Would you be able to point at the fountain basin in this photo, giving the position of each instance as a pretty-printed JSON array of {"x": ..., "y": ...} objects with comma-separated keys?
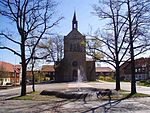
[{"x": 71, "y": 93}]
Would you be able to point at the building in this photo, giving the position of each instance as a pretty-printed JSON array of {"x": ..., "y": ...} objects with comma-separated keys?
[
  {"x": 48, "y": 71},
  {"x": 74, "y": 64},
  {"x": 104, "y": 71},
  {"x": 29, "y": 76},
  {"x": 142, "y": 69},
  {"x": 9, "y": 73}
]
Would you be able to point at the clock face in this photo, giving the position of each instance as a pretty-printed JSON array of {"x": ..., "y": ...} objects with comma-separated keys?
[{"x": 74, "y": 63}]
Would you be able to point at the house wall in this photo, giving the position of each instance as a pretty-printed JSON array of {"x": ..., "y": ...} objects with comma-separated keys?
[
  {"x": 4, "y": 81},
  {"x": 142, "y": 69}
]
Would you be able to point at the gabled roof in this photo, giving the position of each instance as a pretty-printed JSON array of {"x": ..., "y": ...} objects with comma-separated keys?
[
  {"x": 140, "y": 62},
  {"x": 47, "y": 68},
  {"x": 74, "y": 34},
  {"x": 104, "y": 69},
  {"x": 8, "y": 67},
  {"x": 4, "y": 66}
]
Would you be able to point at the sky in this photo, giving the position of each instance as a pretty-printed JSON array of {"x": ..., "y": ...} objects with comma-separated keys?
[{"x": 66, "y": 8}]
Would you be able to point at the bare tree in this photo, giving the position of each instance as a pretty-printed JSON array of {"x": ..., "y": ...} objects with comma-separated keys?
[
  {"x": 138, "y": 23},
  {"x": 114, "y": 34},
  {"x": 125, "y": 24},
  {"x": 52, "y": 49},
  {"x": 32, "y": 20}
]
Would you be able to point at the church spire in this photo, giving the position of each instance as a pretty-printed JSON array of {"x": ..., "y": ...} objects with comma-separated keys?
[{"x": 74, "y": 22}]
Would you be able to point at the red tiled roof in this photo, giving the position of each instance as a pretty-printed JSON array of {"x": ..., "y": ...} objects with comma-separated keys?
[
  {"x": 47, "y": 68},
  {"x": 104, "y": 69},
  {"x": 8, "y": 67},
  {"x": 138, "y": 62}
]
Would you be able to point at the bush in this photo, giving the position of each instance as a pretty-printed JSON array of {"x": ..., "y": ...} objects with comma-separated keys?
[
  {"x": 101, "y": 78},
  {"x": 106, "y": 78}
]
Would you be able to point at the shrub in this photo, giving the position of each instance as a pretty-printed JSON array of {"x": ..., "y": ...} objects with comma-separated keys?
[
  {"x": 101, "y": 78},
  {"x": 108, "y": 78}
]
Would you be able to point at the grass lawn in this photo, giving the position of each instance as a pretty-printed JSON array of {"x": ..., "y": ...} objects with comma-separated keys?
[
  {"x": 143, "y": 83},
  {"x": 35, "y": 96}
]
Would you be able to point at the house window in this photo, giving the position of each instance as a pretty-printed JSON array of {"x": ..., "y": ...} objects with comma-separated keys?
[
  {"x": 136, "y": 70},
  {"x": 127, "y": 77},
  {"x": 139, "y": 70},
  {"x": 143, "y": 69}
]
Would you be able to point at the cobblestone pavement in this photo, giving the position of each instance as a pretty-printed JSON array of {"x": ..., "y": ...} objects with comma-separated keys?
[{"x": 134, "y": 105}]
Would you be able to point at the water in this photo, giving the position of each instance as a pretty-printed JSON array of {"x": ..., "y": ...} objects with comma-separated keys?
[{"x": 81, "y": 77}]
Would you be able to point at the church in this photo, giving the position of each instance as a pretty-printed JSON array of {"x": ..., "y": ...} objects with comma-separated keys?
[{"x": 74, "y": 66}]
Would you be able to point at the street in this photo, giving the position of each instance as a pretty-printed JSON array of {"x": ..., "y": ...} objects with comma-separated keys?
[{"x": 4, "y": 94}]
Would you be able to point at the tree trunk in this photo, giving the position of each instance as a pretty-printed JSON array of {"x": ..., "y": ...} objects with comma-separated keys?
[
  {"x": 23, "y": 84},
  {"x": 117, "y": 62},
  {"x": 33, "y": 77},
  {"x": 117, "y": 76},
  {"x": 133, "y": 82},
  {"x": 24, "y": 66}
]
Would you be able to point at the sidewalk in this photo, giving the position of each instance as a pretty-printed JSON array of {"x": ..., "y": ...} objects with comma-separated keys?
[{"x": 136, "y": 105}]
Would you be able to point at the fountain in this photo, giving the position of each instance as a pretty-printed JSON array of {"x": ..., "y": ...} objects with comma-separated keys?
[
  {"x": 78, "y": 90},
  {"x": 81, "y": 78}
]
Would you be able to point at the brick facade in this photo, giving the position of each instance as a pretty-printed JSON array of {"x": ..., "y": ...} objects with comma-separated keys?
[{"x": 142, "y": 69}]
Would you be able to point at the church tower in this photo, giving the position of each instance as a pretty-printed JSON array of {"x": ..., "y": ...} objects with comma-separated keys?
[
  {"x": 74, "y": 53},
  {"x": 74, "y": 66}
]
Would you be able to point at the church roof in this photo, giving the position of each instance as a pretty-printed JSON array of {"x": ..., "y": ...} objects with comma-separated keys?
[{"x": 74, "y": 34}]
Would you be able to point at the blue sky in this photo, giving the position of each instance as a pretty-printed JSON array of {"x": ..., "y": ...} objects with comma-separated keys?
[
  {"x": 66, "y": 8},
  {"x": 83, "y": 10}
]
